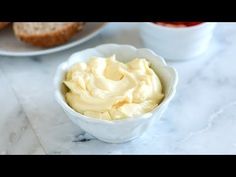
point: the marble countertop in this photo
(201, 119)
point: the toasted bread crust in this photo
(3, 24)
(50, 39)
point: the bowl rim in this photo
(195, 27)
(59, 96)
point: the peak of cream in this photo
(105, 88)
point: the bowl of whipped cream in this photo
(114, 92)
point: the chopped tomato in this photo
(178, 24)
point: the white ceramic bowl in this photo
(117, 131)
(177, 43)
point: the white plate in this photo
(10, 46)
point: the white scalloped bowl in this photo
(124, 130)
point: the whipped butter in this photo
(105, 88)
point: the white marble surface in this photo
(200, 120)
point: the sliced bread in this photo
(46, 34)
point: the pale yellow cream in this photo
(105, 88)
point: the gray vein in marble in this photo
(215, 138)
(37, 59)
(211, 120)
(22, 111)
(16, 126)
(83, 137)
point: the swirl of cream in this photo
(105, 88)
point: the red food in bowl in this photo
(178, 24)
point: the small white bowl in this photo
(177, 43)
(117, 131)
